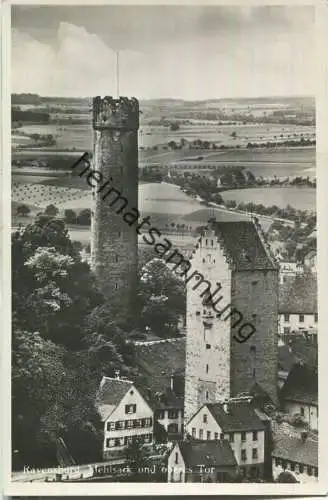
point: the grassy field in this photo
(80, 135)
(302, 198)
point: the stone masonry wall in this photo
(255, 295)
(114, 242)
(207, 374)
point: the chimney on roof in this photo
(304, 436)
(117, 374)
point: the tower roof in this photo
(245, 245)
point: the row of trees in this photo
(70, 216)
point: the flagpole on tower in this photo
(117, 76)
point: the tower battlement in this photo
(121, 113)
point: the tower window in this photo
(206, 394)
(252, 349)
(206, 241)
(116, 286)
(203, 261)
(206, 368)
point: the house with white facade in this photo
(240, 425)
(126, 415)
(202, 461)
(298, 309)
(299, 395)
(295, 458)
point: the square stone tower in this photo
(232, 315)
(114, 247)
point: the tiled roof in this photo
(240, 417)
(157, 361)
(211, 453)
(244, 245)
(296, 450)
(299, 350)
(299, 296)
(110, 393)
(301, 385)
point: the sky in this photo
(185, 52)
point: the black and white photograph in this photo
(162, 217)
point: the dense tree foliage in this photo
(162, 298)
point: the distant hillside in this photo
(25, 99)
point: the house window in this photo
(201, 433)
(206, 394)
(221, 436)
(116, 286)
(197, 313)
(206, 241)
(208, 346)
(216, 435)
(117, 442)
(208, 435)
(176, 458)
(180, 476)
(231, 437)
(315, 472)
(286, 330)
(143, 422)
(301, 318)
(254, 373)
(173, 414)
(160, 414)
(193, 432)
(286, 318)
(243, 436)
(109, 443)
(205, 418)
(148, 438)
(316, 318)
(129, 424)
(254, 435)
(111, 426)
(254, 453)
(292, 467)
(173, 428)
(116, 258)
(212, 242)
(252, 349)
(301, 468)
(243, 455)
(309, 470)
(302, 411)
(130, 409)
(206, 368)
